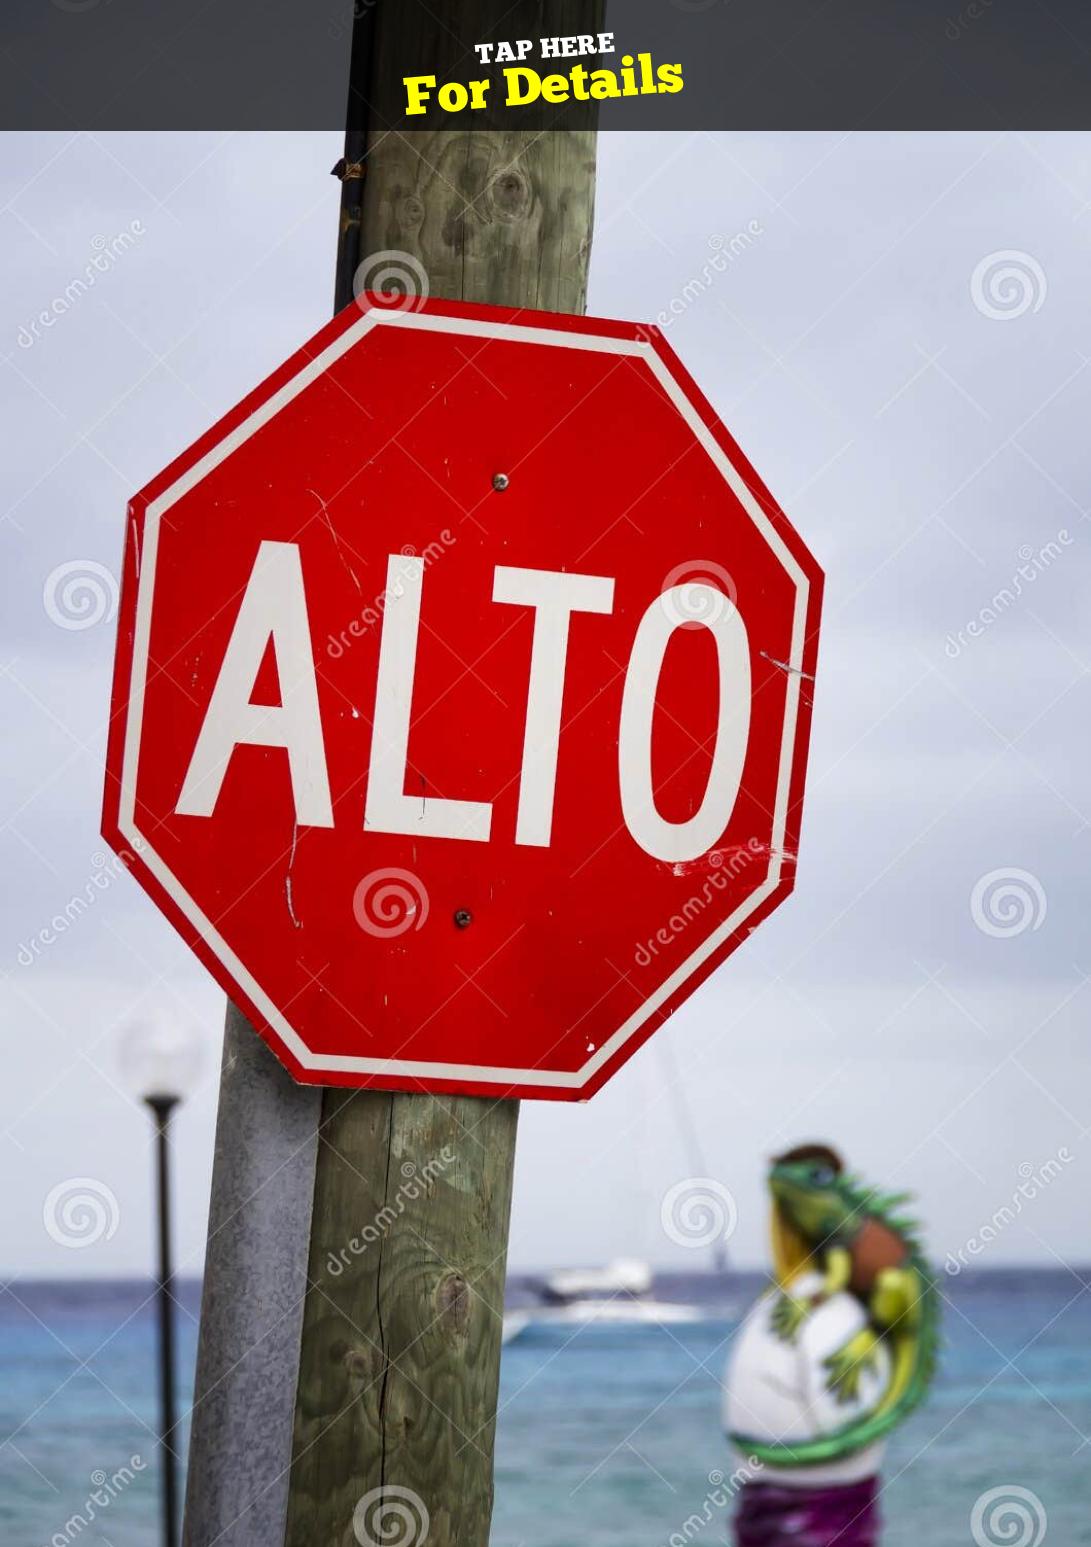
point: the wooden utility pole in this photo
(400, 1353)
(342, 1394)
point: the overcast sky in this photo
(915, 396)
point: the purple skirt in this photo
(771, 1516)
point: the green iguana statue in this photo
(827, 1221)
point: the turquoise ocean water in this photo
(606, 1436)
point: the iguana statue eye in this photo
(822, 1176)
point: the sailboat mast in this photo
(691, 1139)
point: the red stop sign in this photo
(462, 698)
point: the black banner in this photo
(645, 64)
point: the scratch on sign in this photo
(784, 666)
(336, 539)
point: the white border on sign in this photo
(475, 328)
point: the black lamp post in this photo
(161, 1108)
(161, 1061)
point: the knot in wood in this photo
(511, 195)
(357, 1363)
(410, 212)
(453, 1301)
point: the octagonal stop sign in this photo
(462, 697)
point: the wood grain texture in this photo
(401, 1335)
(499, 217)
(400, 1356)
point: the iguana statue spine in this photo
(828, 1221)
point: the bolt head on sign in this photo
(462, 698)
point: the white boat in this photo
(514, 1323)
(621, 1311)
(618, 1294)
(623, 1276)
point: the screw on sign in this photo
(462, 698)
